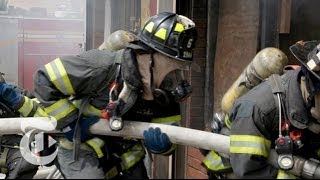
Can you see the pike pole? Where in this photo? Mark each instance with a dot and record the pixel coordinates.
(179, 135)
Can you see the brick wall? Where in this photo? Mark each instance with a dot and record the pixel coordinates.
(195, 107)
(194, 168)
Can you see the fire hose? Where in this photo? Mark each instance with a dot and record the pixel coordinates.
(305, 168)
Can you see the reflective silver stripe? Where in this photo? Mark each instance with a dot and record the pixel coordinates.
(27, 107)
(248, 144)
(59, 77)
(214, 162)
(60, 109)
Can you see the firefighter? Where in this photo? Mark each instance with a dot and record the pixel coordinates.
(281, 113)
(12, 164)
(143, 82)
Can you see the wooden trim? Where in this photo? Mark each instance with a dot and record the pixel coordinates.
(285, 16)
(212, 27)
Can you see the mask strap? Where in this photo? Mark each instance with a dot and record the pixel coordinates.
(151, 65)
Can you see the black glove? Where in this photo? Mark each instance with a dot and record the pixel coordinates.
(156, 141)
(84, 124)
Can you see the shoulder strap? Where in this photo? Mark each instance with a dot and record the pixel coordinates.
(276, 87)
(278, 92)
(119, 56)
(77, 131)
(275, 82)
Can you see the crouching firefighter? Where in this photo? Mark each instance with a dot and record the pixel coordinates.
(142, 82)
(12, 164)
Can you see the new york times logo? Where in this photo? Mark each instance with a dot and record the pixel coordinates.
(34, 141)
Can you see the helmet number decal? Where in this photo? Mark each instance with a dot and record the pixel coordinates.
(189, 44)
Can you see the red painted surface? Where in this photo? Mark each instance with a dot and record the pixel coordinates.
(43, 40)
(52, 25)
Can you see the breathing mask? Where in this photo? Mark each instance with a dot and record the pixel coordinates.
(182, 91)
(173, 87)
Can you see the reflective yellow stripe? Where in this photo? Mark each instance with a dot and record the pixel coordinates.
(113, 172)
(149, 27)
(227, 121)
(214, 162)
(59, 77)
(65, 78)
(248, 144)
(318, 152)
(27, 107)
(179, 27)
(88, 110)
(40, 113)
(167, 120)
(284, 175)
(60, 109)
(161, 33)
(77, 103)
(93, 111)
(36, 100)
(96, 144)
(134, 155)
(53, 77)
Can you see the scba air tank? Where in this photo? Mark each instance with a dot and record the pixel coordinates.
(117, 40)
(268, 61)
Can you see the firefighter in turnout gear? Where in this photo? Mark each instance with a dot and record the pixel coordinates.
(267, 61)
(142, 82)
(12, 164)
(281, 113)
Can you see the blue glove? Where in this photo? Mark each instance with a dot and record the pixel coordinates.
(156, 141)
(84, 124)
(8, 95)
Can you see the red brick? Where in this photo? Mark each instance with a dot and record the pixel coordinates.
(195, 174)
(199, 52)
(197, 111)
(195, 163)
(196, 101)
(194, 152)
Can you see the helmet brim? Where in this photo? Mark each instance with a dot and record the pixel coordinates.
(193, 66)
(301, 49)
